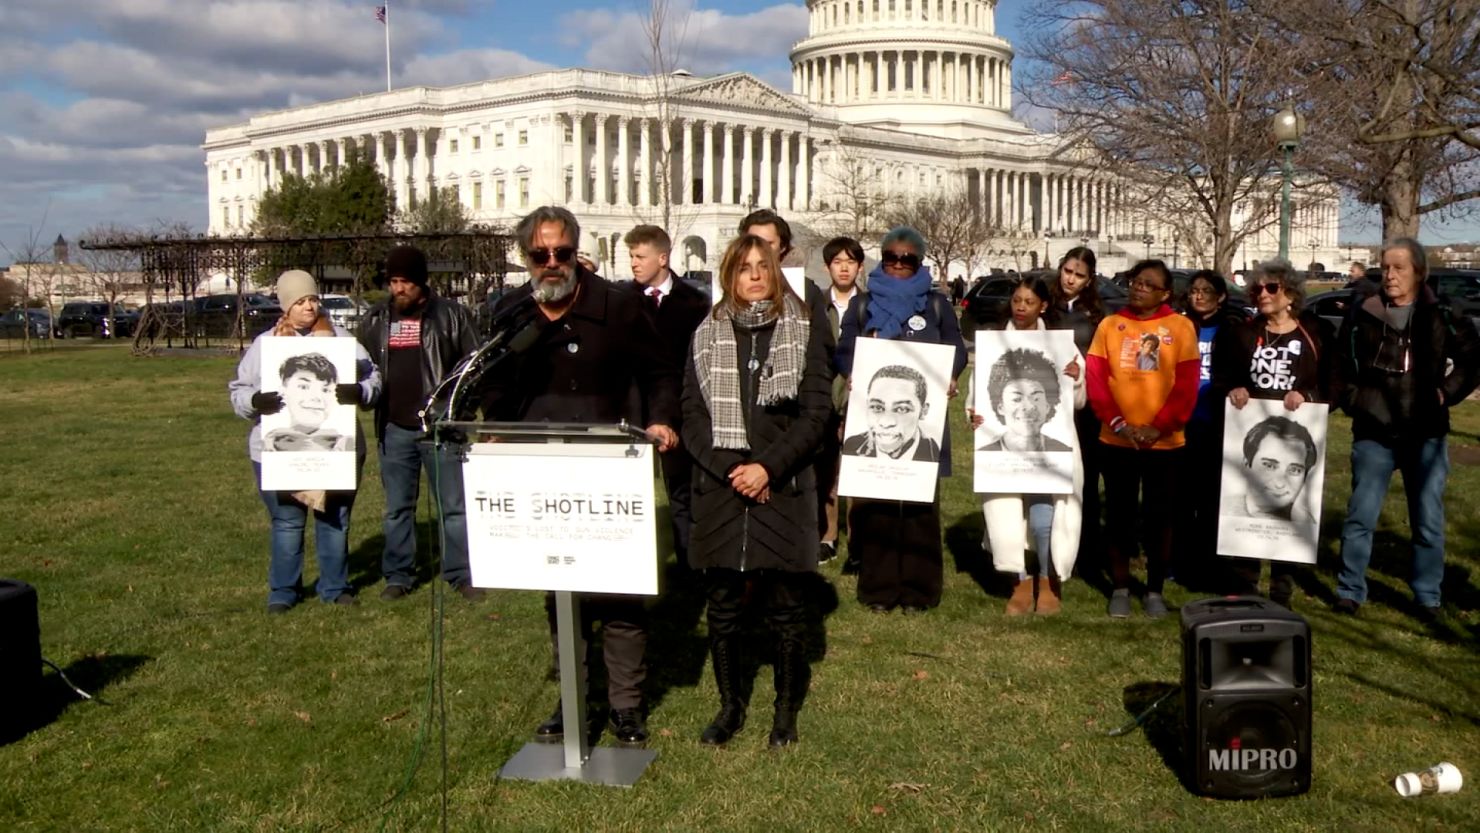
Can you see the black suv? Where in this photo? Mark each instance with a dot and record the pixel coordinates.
(216, 315)
(92, 318)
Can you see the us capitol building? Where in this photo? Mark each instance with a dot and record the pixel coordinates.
(891, 100)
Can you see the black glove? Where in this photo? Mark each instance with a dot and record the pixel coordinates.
(347, 393)
(267, 403)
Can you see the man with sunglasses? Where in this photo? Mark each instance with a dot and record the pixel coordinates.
(417, 337)
(1143, 407)
(1402, 361)
(593, 345)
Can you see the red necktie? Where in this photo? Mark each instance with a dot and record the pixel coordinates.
(657, 296)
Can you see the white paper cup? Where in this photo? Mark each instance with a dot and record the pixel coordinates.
(1439, 778)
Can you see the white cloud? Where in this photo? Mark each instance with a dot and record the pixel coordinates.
(468, 65)
(704, 41)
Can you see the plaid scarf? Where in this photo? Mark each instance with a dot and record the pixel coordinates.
(717, 364)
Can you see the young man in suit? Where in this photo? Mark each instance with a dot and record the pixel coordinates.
(676, 308)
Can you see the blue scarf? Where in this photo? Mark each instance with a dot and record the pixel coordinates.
(891, 300)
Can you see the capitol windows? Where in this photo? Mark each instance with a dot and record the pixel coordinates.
(498, 140)
(223, 174)
(455, 193)
(498, 195)
(523, 192)
(240, 214)
(226, 216)
(452, 146)
(477, 196)
(570, 134)
(477, 143)
(523, 137)
(238, 173)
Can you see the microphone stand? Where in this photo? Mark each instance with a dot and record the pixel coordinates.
(513, 331)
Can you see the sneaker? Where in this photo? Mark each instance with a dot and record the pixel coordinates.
(1427, 615)
(1346, 607)
(278, 608)
(1154, 605)
(1120, 604)
(826, 551)
(469, 592)
(345, 600)
(393, 592)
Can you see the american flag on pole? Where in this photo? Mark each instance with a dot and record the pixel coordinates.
(380, 13)
(1064, 77)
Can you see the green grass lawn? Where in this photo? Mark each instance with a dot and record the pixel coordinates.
(128, 503)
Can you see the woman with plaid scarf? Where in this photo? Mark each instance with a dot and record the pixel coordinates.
(757, 393)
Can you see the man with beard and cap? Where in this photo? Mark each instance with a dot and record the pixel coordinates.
(676, 309)
(417, 337)
(593, 344)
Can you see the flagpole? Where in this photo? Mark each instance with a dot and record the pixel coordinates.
(387, 45)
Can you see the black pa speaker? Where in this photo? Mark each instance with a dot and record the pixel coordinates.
(1246, 680)
(20, 656)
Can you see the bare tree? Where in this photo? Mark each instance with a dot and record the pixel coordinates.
(109, 271)
(1392, 89)
(1175, 95)
(28, 262)
(853, 197)
(666, 29)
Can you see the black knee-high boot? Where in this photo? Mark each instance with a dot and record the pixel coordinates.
(734, 696)
(792, 675)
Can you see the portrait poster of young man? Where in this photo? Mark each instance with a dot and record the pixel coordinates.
(310, 443)
(1274, 463)
(896, 416)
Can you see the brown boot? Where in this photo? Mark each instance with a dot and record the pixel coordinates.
(1022, 598)
(1048, 596)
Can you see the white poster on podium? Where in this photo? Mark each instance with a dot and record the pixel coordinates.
(310, 443)
(562, 516)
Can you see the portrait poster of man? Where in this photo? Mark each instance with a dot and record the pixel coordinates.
(310, 443)
(1274, 464)
(896, 418)
(1024, 444)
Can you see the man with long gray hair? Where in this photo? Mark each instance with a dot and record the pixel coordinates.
(1402, 361)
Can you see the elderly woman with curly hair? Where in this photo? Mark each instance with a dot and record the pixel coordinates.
(899, 543)
(1023, 390)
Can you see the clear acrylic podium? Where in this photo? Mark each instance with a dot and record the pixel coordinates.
(565, 508)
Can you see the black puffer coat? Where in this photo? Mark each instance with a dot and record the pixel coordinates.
(732, 531)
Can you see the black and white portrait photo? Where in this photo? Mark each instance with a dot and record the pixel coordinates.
(310, 443)
(896, 418)
(1026, 403)
(1273, 475)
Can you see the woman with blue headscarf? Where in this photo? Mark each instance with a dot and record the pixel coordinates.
(898, 542)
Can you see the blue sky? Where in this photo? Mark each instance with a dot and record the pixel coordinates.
(104, 103)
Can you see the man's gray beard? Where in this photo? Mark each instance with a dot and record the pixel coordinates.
(549, 293)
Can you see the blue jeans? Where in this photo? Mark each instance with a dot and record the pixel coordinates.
(1424, 466)
(403, 454)
(1040, 526)
(331, 544)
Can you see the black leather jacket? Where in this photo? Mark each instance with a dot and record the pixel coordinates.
(448, 335)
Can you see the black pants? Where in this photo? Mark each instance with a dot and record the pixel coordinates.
(777, 596)
(624, 633)
(1195, 528)
(899, 550)
(678, 476)
(1245, 579)
(825, 468)
(1139, 484)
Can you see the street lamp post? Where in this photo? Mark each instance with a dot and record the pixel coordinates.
(1148, 240)
(1288, 127)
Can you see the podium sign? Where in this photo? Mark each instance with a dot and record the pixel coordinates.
(562, 516)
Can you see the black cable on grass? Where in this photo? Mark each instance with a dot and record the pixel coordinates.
(1130, 725)
(80, 693)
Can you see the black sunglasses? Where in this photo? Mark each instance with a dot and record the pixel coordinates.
(1268, 288)
(909, 261)
(540, 257)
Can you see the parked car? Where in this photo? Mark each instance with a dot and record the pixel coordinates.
(216, 315)
(95, 319)
(343, 310)
(12, 326)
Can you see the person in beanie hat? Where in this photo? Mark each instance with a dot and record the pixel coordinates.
(298, 295)
(417, 337)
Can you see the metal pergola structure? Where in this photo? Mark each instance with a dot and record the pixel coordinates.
(463, 264)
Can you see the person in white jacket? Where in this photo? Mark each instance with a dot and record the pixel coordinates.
(298, 295)
(1053, 520)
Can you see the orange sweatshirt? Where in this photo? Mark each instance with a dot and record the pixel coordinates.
(1144, 371)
